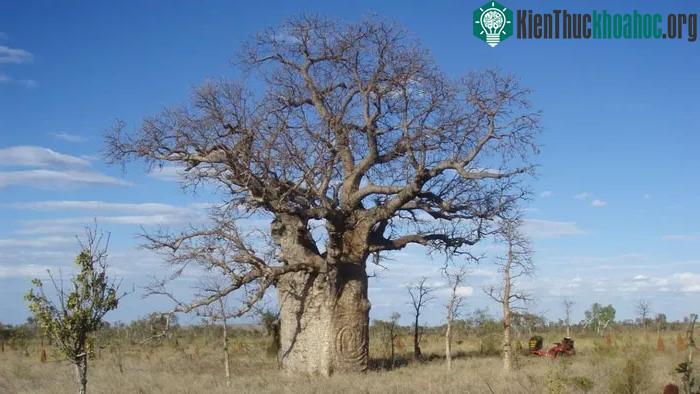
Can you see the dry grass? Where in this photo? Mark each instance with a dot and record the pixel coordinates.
(194, 366)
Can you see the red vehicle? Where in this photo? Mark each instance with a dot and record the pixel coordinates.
(563, 348)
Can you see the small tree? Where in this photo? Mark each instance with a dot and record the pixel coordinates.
(77, 313)
(271, 321)
(421, 294)
(454, 304)
(516, 263)
(644, 313)
(388, 333)
(220, 312)
(568, 306)
(661, 322)
(392, 335)
(600, 317)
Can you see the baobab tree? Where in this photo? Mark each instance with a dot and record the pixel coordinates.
(516, 263)
(350, 126)
(421, 294)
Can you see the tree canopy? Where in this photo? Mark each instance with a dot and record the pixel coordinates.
(352, 125)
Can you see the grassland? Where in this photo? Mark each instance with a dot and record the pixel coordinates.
(191, 362)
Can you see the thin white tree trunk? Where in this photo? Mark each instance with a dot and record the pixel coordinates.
(225, 342)
(448, 342)
(507, 345)
(81, 374)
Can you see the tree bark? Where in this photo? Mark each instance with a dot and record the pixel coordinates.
(81, 374)
(448, 343)
(324, 321)
(507, 345)
(227, 368)
(416, 339)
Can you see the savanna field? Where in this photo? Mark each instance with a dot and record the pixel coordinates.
(190, 360)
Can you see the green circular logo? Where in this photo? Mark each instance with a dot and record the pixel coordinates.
(493, 23)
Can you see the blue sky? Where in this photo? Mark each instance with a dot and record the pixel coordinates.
(614, 218)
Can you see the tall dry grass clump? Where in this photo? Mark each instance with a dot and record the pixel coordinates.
(634, 376)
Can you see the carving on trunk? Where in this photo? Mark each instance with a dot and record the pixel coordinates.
(351, 344)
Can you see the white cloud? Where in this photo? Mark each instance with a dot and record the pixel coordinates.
(465, 291)
(50, 174)
(42, 242)
(682, 237)
(68, 137)
(598, 203)
(489, 274)
(151, 214)
(647, 196)
(546, 194)
(14, 55)
(537, 228)
(63, 205)
(54, 225)
(28, 83)
(24, 271)
(585, 196)
(682, 282)
(167, 173)
(49, 179)
(686, 282)
(34, 156)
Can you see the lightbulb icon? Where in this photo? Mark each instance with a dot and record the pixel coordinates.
(493, 21)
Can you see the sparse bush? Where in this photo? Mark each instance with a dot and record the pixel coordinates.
(270, 320)
(633, 377)
(489, 344)
(603, 349)
(689, 383)
(560, 380)
(582, 383)
(556, 378)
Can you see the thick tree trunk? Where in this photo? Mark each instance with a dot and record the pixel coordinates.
(324, 328)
